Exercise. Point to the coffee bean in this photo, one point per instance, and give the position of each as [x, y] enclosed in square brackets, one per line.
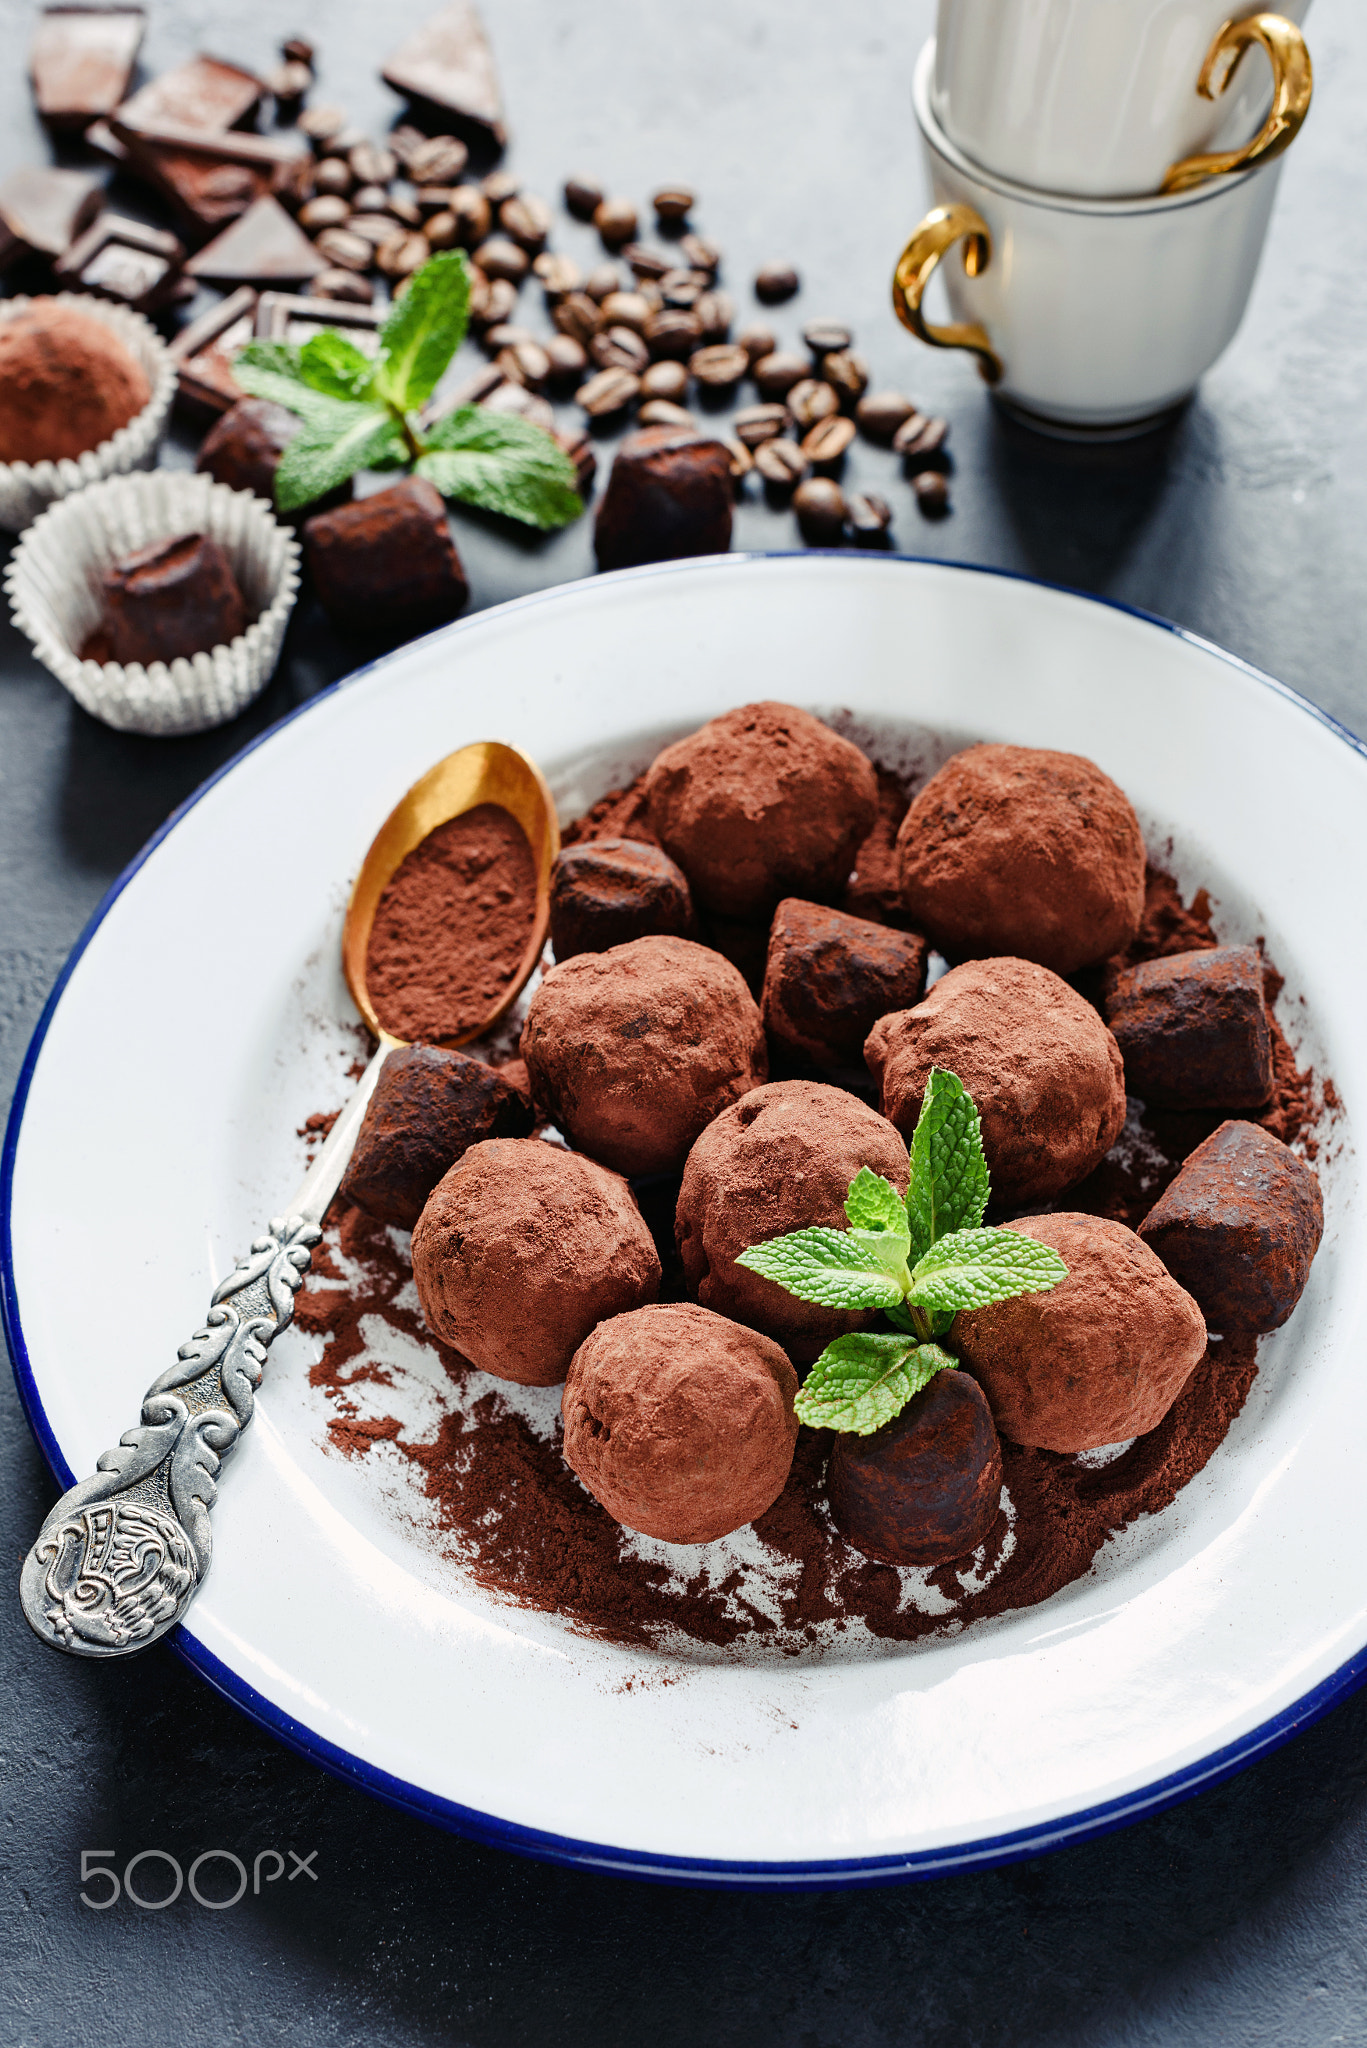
[848, 372]
[777, 374]
[403, 210]
[402, 257]
[332, 175]
[881, 413]
[651, 293]
[288, 83]
[345, 250]
[297, 50]
[662, 412]
[701, 254]
[825, 445]
[474, 215]
[558, 275]
[440, 160]
[673, 203]
[320, 124]
[671, 333]
[820, 508]
[758, 342]
[567, 358]
[517, 398]
[775, 283]
[756, 423]
[431, 199]
[826, 337]
[527, 220]
[498, 257]
[506, 336]
[328, 210]
[665, 380]
[370, 199]
[715, 313]
[626, 309]
[868, 519]
[619, 348]
[682, 288]
[610, 392]
[493, 300]
[371, 165]
[442, 230]
[604, 278]
[919, 441]
[932, 492]
[344, 285]
[525, 362]
[615, 220]
[741, 460]
[577, 316]
[582, 197]
[576, 444]
[377, 228]
[647, 262]
[498, 186]
[721, 367]
[781, 463]
[811, 401]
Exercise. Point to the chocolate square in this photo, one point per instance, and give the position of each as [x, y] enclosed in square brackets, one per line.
[81, 60]
[126, 261]
[43, 210]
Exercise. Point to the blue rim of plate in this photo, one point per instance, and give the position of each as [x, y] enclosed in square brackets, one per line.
[984, 1853]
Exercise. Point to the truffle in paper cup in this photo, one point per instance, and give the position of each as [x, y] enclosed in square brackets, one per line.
[26, 488]
[54, 587]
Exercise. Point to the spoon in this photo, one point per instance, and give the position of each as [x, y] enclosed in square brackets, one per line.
[121, 1555]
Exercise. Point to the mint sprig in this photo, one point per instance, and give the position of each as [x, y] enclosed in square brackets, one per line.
[921, 1260]
[360, 412]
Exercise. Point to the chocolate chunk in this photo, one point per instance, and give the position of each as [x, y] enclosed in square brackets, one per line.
[1192, 1029]
[42, 211]
[123, 260]
[927, 1486]
[606, 891]
[291, 316]
[387, 566]
[263, 245]
[208, 178]
[447, 64]
[81, 60]
[429, 1107]
[204, 352]
[830, 977]
[174, 597]
[1239, 1227]
[669, 495]
[202, 93]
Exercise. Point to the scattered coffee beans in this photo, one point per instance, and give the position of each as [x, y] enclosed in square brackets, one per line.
[932, 492]
[665, 380]
[820, 508]
[781, 463]
[626, 309]
[568, 360]
[619, 348]
[826, 337]
[721, 367]
[582, 197]
[811, 401]
[526, 221]
[673, 203]
[848, 372]
[826, 444]
[615, 220]
[610, 392]
[756, 423]
[602, 279]
[881, 413]
[741, 460]
[919, 441]
[499, 257]
[645, 262]
[868, 518]
[701, 253]
[776, 375]
[715, 313]
[670, 333]
[558, 274]
[498, 186]
[662, 412]
[757, 342]
[578, 316]
[775, 283]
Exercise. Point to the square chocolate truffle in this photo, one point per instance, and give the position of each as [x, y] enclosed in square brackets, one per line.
[1193, 1030]
[829, 978]
[429, 1107]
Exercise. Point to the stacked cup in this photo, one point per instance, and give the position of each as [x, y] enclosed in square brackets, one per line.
[1105, 170]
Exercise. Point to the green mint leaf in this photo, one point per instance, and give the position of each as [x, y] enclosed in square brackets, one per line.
[949, 1182]
[874, 1204]
[329, 362]
[268, 379]
[971, 1268]
[323, 454]
[423, 331]
[861, 1381]
[825, 1266]
[503, 463]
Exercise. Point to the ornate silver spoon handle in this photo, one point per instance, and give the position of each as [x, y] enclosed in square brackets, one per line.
[118, 1560]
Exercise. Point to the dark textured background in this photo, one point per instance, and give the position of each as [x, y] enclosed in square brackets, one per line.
[1237, 1916]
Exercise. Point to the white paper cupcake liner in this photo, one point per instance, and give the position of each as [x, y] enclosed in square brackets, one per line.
[27, 487]
[54, 587]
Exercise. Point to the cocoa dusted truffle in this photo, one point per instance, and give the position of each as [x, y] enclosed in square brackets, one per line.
[1041, 1066]
[669, 494]
[429, 1107]
[680, 1423]
[243, 451]
[829, 977]
[761, 803]
[1024, 851]
[1099, 1359]
[925, 1487]
[635, 1050]
[1239, 1227]
[521, 1250]
[605, 892]
[174, 597]
[780, 1159]
[1192, 1029]
[67, 383]
[387, 566]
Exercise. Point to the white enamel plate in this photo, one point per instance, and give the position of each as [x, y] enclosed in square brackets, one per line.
[203, 1017]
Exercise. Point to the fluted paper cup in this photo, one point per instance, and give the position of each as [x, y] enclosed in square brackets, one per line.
[54, 587]
[26, 488]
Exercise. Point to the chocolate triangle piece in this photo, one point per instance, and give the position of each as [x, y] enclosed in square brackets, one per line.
[42, 210]
[81, 60]
[203, 93]
[204, 352]
[264, 247]
[447, 64]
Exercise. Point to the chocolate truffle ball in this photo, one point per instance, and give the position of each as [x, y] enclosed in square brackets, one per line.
[780, 1159]
[605, 892]
[635, 1050]
[1024, 851]
[1041, 1066]
[829, 977]
[67, 383]
[927, 1486]
[429, 1107]
[521, 1249]
[1098, 1360]
[761, 803]
[680, 1423]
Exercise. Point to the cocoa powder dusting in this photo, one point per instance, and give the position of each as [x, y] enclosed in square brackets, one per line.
[452, 926]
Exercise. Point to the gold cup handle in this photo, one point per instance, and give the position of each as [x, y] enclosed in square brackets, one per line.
[934, 238]
[1293, 82]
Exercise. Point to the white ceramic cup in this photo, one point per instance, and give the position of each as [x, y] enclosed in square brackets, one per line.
[1093, 317]
[1101, 98]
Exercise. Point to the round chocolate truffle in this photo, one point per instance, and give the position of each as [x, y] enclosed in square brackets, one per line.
[521, 1249]
[1043, 1069]
[761, 803]
[925, 1487]
[67, 383]
[635, 1050]
[780, 1159]
[1099, 1359]
[606, 892]
[680, 1423]
[1021, 850]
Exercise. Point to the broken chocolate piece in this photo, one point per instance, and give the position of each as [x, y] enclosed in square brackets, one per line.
[1192, 1029]
[81, 60]
[290, 316]
[387, 567]
[174, 597]
[606, 891]
[447, 64]
[209, 178]
[203, 93]
[264, 244]
[1239, 1227]
[830, 977]
[125, 261]
[429, 1107]
[927, 1486]
[43, 210]
[204, 353]
[669, 495]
